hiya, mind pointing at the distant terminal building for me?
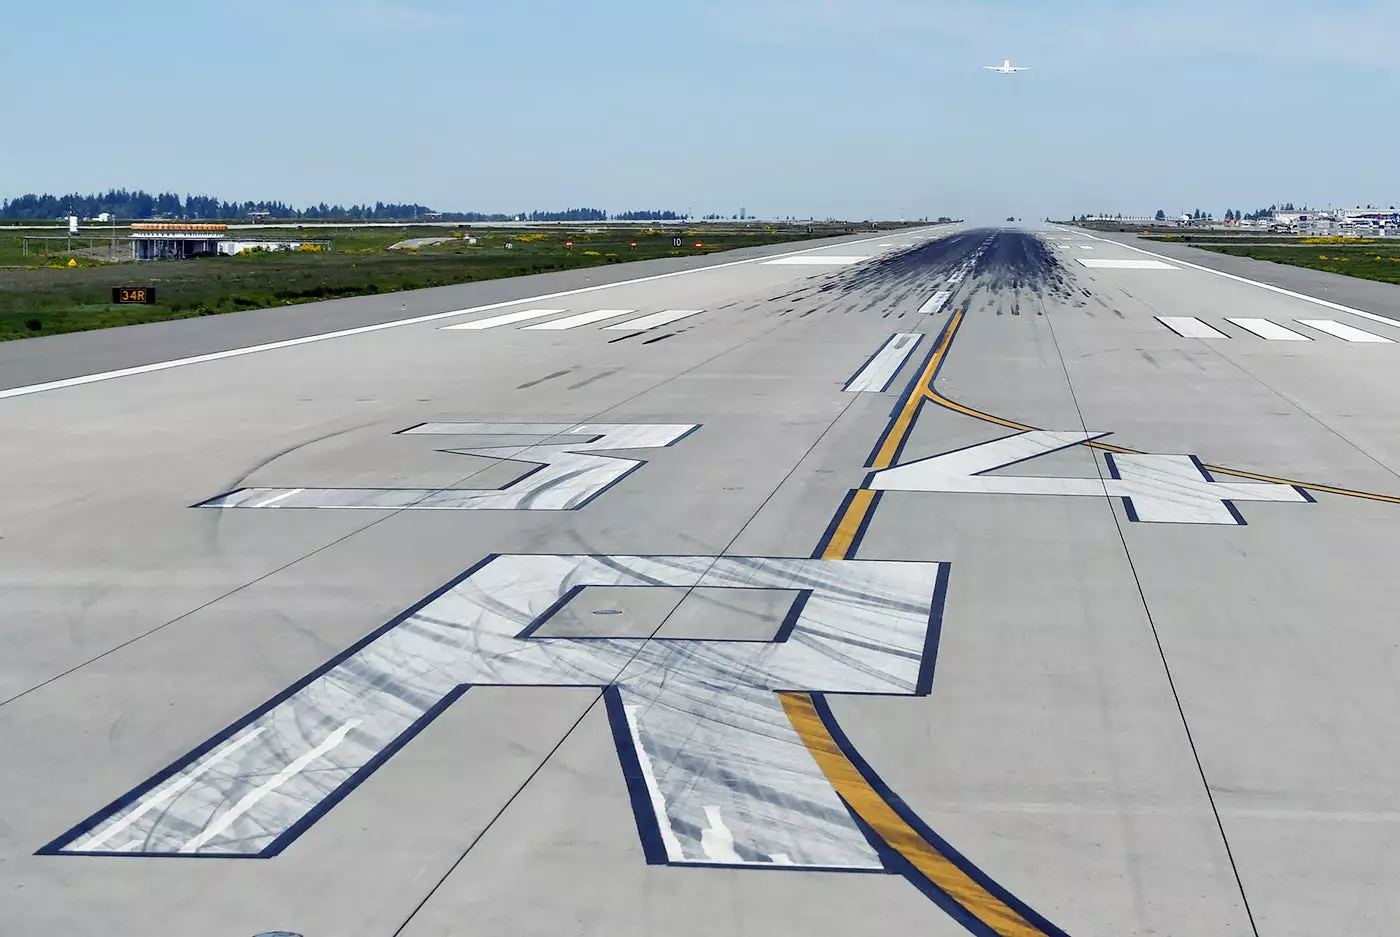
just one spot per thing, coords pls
(172, 240)
(1356, 222)
(161, 240)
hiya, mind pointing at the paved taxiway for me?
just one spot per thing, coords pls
(724, 645)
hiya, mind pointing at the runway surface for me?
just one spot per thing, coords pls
(992, 581)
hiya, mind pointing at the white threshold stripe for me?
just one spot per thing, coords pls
(1345, 332)
(935, 302)
(378, 326)
(161, 796)
(653, 320)
(1271, 331)
(524, 315)
(877, 373)
(583, 318)
(1325, 303)
(250, 799)
(1190, 327)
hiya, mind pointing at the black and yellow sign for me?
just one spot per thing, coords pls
(134, 294)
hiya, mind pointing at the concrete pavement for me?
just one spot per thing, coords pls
(743, 618)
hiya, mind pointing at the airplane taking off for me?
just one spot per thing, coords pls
(1006, 67)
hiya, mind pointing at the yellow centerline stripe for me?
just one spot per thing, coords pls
(844, 776)
(930, 393)
(862, 500)
(876, 812)
(905, 420)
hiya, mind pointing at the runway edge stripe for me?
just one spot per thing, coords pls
(937, 869)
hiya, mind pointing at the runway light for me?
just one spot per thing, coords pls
(569, 245)
(634, 245)
(698, 244)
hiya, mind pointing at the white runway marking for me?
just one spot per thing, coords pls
(700, 721)
(225, 819)
(1085, 247)
(164, 794)
(1167, 489)
(935, 302)
(1115, 263)
(571, 471)
(1271, 331)
(1190, 327)
(1327, 303)
(1344, 332)
(509, 318)
(583, 318)
(653, 320)
(275, 498)
(879, 371)
(816, 260)
(674, 852)
(717, 841)
(95, 377)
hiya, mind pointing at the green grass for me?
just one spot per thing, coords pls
(1376, 261)
(51, 299)
(1224, 237)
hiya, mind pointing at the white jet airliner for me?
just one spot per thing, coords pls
(1006, 67)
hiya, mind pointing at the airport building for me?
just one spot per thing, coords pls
(157, 240)
(179, 240)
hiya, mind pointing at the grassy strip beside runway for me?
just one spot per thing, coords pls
(54, 298)
(1377, 260)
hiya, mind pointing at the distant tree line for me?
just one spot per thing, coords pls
(140, 205)
(653, 215)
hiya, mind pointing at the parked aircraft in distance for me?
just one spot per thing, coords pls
(1006, 67)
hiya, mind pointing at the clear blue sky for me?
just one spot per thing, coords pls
(852, 108)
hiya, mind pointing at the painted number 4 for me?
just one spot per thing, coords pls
(1170, 489)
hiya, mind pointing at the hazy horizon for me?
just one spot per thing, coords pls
(830, 108)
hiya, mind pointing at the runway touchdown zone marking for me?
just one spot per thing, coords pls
(1346, 333)
(510, 318)
(583, 318)
(1269, 331)
(1190, 327)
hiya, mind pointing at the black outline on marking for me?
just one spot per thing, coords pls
(346, 787)
(537, 467)
(830, 533)
(1113, 473)
(91, 822)
(1218, 333)
(924, 685)
(918, 337)
(648, 825)
(903, 866)
(780, 635)
(908, 393)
